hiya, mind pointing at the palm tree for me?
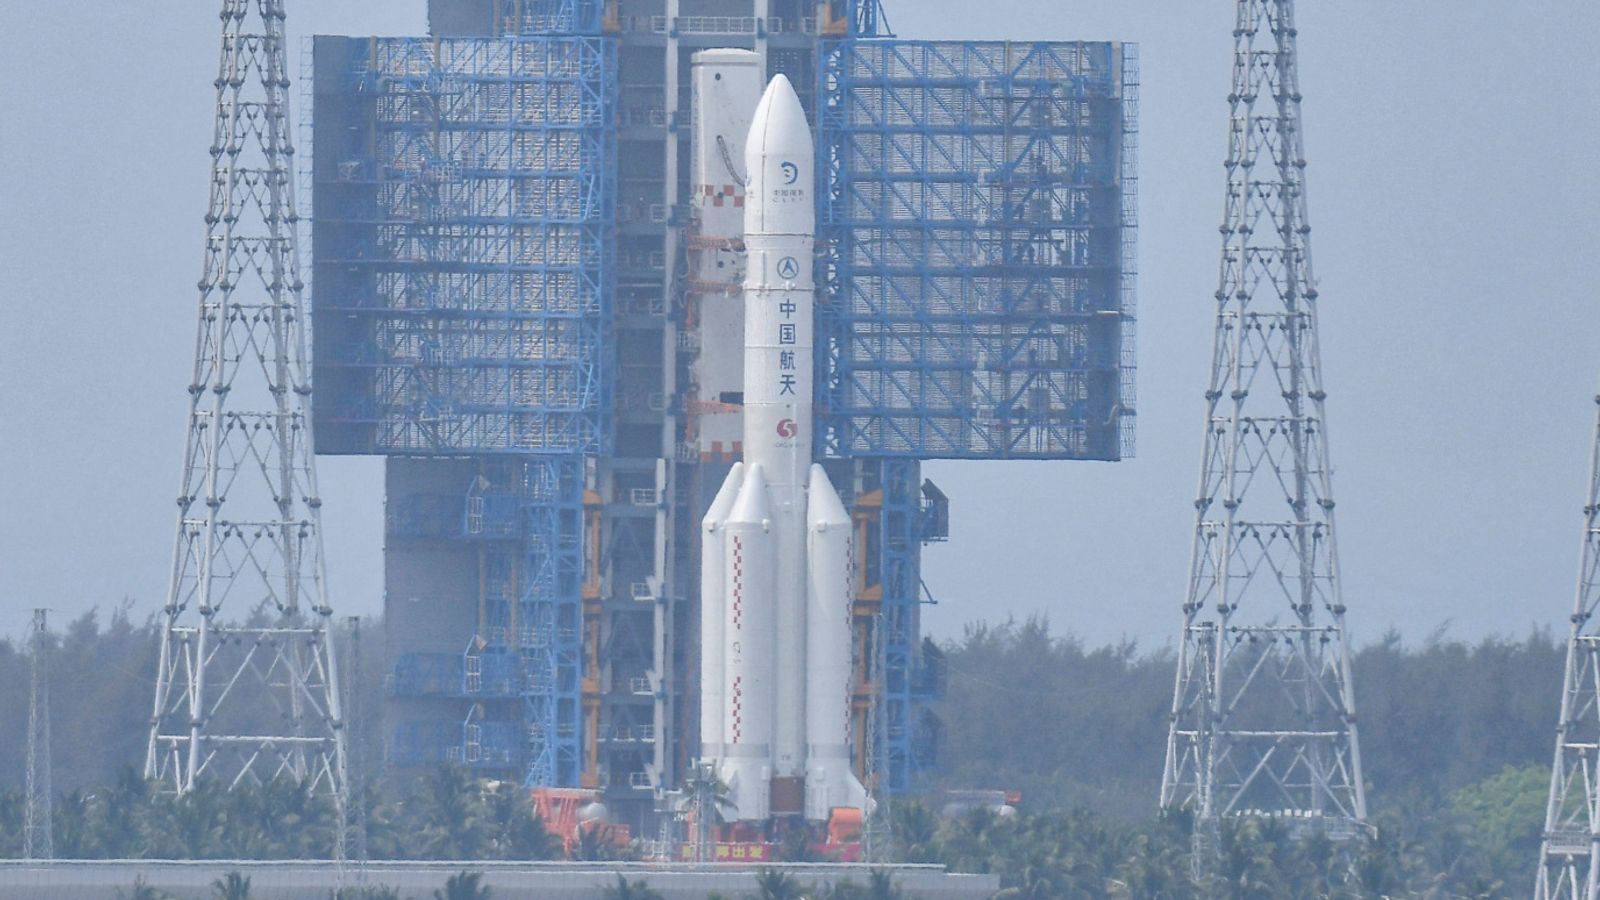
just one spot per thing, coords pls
(463, 886)
(707, 797)
(914, 830)
(772, 884)
(518, 833)
(881, 886)
(231, 886)
(452, 816)
(369, 892)
(142, 891)
(842, 890)
(625, 890)
(796, 847)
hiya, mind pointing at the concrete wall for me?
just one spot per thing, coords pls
(72, 880)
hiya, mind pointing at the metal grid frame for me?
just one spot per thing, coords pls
(976, 217)
(257, 699)
(468, 258)
(1263, 717)
(540, 17)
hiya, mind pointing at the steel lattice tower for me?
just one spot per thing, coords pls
(1263, 719)
(250, 699)
(1572, 821)
(38, 828)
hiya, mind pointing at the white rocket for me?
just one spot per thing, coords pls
(776, 564)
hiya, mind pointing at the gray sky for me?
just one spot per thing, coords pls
(1455, 208)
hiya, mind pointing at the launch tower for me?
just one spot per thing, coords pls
(1263, 719)
(523, 277)
(247, 687)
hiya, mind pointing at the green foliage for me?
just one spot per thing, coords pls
(463, 886)
(367, 892)
(629, 890)
(796, 846)
(142, 891)
(1455, 740)
(775, 884)
(231, 886)
(1503, 816)
(880, 886)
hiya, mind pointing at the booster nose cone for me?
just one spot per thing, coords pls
(779, 156)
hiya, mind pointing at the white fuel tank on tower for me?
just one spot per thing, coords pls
(726, 86)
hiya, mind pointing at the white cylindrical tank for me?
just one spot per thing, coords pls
(713, 613)
(780, 295)
(749, 643)
(830, 780)
(726, 85)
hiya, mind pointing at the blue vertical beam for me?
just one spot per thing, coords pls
(550, 638)
(901, 548)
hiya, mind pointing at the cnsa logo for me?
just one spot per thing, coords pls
(788, 428)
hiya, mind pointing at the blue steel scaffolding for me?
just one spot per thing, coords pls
(976, 218)
(467, 242)
(559, 17)
(975, 212)
(912, 675)
(464, 251)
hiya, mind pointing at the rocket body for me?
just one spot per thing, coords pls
(783, 586)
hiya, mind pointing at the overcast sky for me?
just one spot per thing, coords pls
(1457, 216)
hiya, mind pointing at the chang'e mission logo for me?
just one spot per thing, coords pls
(791, 190)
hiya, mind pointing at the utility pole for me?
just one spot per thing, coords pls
(1263, 718)
(1571, 844)
(253, 698)
(37, 840)
(355, 848)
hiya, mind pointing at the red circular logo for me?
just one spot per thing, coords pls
(788, 429)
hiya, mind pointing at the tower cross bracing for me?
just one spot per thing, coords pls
(247, 688)
(1571, 844)
(1263, 718)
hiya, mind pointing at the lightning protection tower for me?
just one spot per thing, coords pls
(1263, 720)
(247, 690)
(37, 842)
(1572, 820)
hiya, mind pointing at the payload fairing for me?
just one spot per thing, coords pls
(776, 564)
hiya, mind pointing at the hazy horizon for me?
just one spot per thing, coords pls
(1453, 203)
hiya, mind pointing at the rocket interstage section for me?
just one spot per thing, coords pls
(776, 565)
(727, 85)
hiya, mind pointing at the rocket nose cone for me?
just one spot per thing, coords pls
(824, 509)
(780, 157)
(780, 119)
(780, 84)
(751, 507)
(723, 503)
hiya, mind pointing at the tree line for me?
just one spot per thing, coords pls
(1456, 740)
